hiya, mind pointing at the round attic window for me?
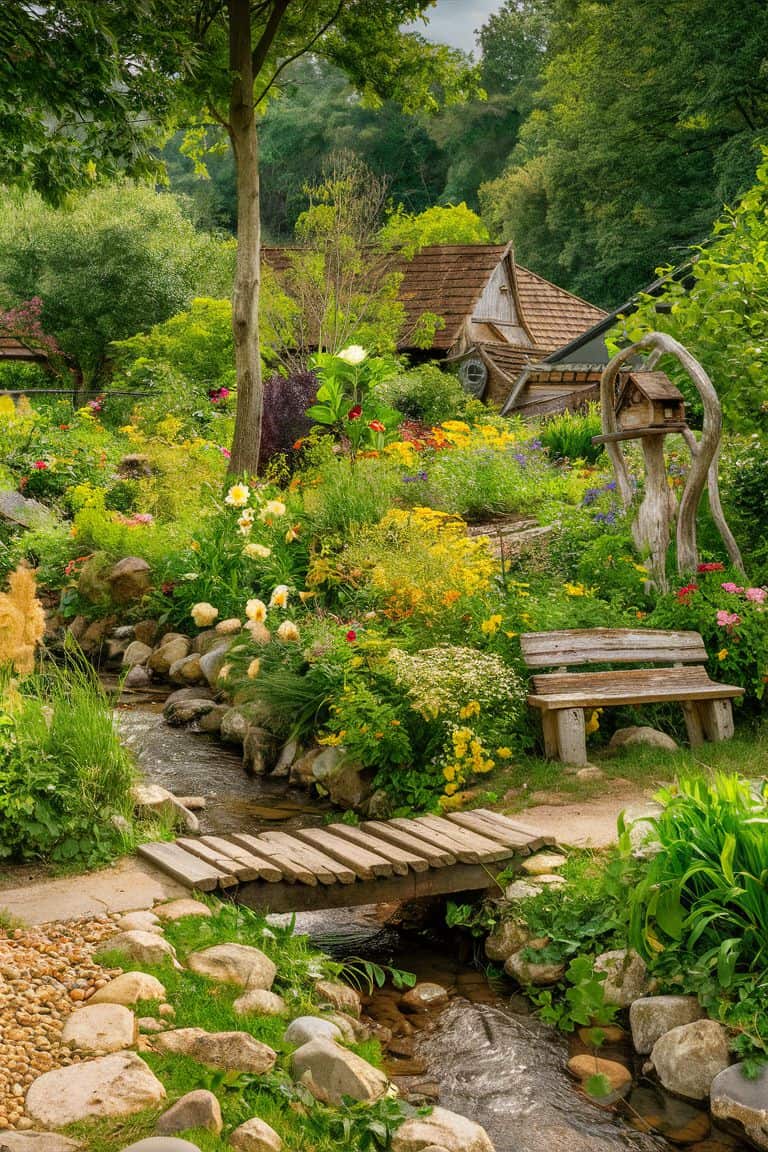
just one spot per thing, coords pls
(473, 375)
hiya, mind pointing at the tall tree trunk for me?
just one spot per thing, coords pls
(245, 300)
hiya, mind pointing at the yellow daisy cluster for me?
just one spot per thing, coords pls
(402, 452)
(467, 759)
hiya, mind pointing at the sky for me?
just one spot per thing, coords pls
(454, 21)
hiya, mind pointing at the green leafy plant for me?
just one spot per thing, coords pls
(346, 403)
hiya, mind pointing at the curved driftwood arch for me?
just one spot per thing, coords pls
(658, 510)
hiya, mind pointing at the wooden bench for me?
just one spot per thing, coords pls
(563, 696)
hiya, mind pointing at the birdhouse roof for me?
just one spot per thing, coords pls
(654, 385)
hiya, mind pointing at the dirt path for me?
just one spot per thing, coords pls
(590, 822)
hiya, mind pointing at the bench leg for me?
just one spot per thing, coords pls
(571, 737)
(693, 723)
(717, 718)
(549, 726)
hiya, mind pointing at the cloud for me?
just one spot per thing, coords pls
(455, 22)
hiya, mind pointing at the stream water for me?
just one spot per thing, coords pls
(483, 1055)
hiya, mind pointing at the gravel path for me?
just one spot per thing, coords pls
(45, 972)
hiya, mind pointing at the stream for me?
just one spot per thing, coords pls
(483, 1055)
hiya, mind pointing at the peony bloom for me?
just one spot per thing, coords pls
(734, 589)
(204, 614)
(40, 465)
(272, 508)
(279, 597)
(756, 595)
(238, 496)
(257, 552)
(256, 610)
(686, 591)
(253, 669)
(354, 354)
(355, 413)
(288, 631)
(727, 619)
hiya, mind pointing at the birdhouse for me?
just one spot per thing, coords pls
(648, 403)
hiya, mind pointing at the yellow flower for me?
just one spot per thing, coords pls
(288, 631)
(195, 545)
(491, 625)
(593, 723)
(451, 788)
(204, 614)
(575, 589)
(253, 669)
(504, 753)
(292, 534)
(471, 709)
(722, 654)
(354, 354)
(256, 610)
(224, 672)
(257, 551)
(279, 597)
(305, 596)
(455, 426)
(272, 508)
(238, 496)
(449, 772)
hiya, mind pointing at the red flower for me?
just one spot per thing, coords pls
(297, 445)
(351, 635)
(376, 426)
(40, 465)
(64, 427)
(715, 567)
(684, 593)
(355, 413)
(167, 588)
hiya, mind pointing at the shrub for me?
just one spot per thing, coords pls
(568, 435)
(286, 399)
(339, 495)
(426, 394)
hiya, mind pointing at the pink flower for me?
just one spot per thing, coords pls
(40, 465)
(727, 619)
(729, 586)
(756, 595)
(225, 453)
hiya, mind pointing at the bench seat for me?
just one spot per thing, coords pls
(628, 686)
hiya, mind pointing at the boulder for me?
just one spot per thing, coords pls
(128, 989)
(100, 1028)
(24, 510)
(305, 1028)
(255, 1136)
(137, 677)
(542, 863)
(167, 637)
(529, 971)
(423, 997)
(144, 920)
(146, 631)
(738, 1100)
(259, 751)
(36, 1142)
(442, 1129)
(234, 964)
(92, 583)
(211, 722)
(198, 1109)
(143, 947)
(187, 670)
(168, 654)
(651, 737)
(234, 726)
(354, 1031)
(340, 996)
(212, 661)
(626, 976)
(286, 757)
(259, 1002)
(508, 937)
(156, 799)
(115, 1085)
(350, 786)
(206, 640)
(136, 653)
(331, 1072)
(129, 579)
(188, 710)
(95, 634)
(225, 1051)
(228, 627)
(327, 762)
(301, 769)
(587, 1065)
(688, 1058)
(148, 1024)
(651, 1016)
(521, 890)
(176, 909)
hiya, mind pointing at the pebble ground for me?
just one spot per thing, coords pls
(45, 973)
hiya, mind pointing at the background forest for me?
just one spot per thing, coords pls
(609, 138)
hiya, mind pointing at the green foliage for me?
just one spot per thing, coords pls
(109, 264)
(65, 779)
(568, 435)
(425, 394)
(340, 494)
(583, 1002)
(346, 399)
(721, 316)
(455, 224)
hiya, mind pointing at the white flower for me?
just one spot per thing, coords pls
(279, 597)
(272, 508)
(288, 631)
(204, 614)
(245, 523)
(354, 354)
(253, 669)
(238, 496)
(257, 551)
(256, 610)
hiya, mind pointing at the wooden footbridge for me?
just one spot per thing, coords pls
(342, 865)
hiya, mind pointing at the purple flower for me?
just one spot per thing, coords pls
(590, 496)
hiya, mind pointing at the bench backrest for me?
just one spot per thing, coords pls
(611, 646)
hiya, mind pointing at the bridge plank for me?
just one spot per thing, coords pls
(536, 838)
(400, 859)
(293, 871)
(188, 869)
(233, 871)
(436, 856)
(509, 837)
(487, 848)
(439, 839)
(366, 865)
(328, 871)
(245, 859)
